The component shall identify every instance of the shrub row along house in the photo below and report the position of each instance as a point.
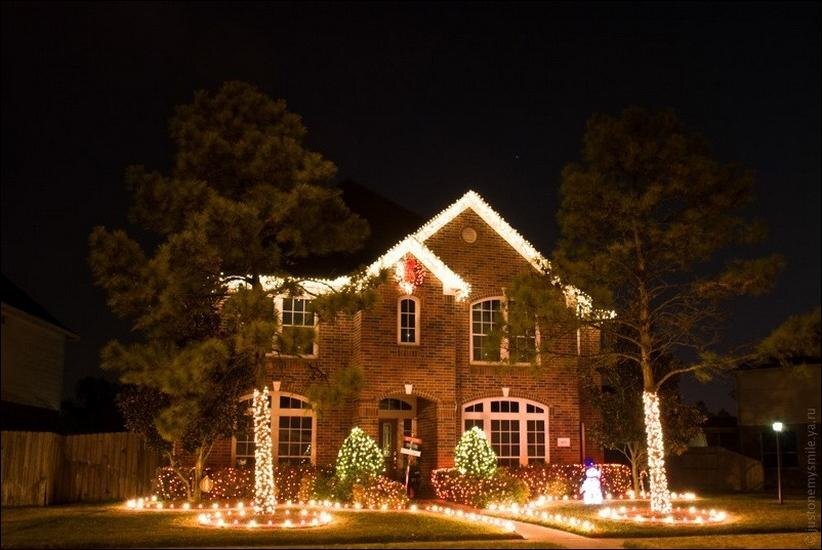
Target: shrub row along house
(427, 368)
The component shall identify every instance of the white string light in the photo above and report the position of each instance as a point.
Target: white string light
(264, 499)
(658, 479)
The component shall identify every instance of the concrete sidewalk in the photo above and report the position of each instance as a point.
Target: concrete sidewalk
(538, 533)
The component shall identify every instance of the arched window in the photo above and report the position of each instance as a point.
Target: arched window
(408, 320)
(391, 404)
(293, 434)
(517, 428)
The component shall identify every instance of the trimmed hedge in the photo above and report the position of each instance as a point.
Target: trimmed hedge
(380, 492)
(522, 484)
(559, 480)
(502, 487)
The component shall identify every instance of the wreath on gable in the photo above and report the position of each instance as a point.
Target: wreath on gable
(410, 273)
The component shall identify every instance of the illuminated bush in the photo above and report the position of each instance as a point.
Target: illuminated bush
(474, 456)
(379, 492)
(232, 483)
(559, 480)
(359, 458)
(289, 479)
(167, 485)
(529, 482)
(502, 487)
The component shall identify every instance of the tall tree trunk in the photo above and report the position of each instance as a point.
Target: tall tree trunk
(264, 488)
(657, 477)
(264, 496)
(634, 456)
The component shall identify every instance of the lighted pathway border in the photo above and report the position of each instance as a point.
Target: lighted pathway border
(532, 532)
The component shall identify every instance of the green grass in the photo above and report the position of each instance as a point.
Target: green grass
(747, 514)
(769, 540)
(112, 526)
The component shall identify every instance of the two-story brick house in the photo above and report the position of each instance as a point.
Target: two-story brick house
(426, 369)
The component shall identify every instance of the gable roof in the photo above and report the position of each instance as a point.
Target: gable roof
(573, 296)
(17, 298)
(490, 216)
(452, 282)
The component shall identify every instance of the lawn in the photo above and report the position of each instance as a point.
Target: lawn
(747, 514)
(112, 526)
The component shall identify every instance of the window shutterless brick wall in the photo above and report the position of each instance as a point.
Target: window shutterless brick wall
(439, 368)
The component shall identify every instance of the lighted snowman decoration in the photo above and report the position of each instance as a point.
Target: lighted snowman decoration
(591, 488)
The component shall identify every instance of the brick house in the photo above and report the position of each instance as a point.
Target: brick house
(425, 369)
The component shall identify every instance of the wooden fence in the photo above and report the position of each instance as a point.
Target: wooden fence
(41, 468)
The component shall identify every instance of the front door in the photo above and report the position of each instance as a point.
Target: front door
(388, 437)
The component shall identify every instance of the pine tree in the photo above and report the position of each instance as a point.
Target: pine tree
(474, 456)
(244, 198)
(647, 217)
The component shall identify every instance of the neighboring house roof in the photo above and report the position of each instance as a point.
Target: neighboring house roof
(15, 297)
(774, 363)
(388, 223)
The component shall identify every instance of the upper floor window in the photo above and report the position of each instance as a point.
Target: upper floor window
(489, 344)
(298, 323)
(486, 317)
(408, 320)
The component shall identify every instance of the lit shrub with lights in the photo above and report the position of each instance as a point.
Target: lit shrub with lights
(501, 487)
(289, 479)
(559, 480)
(359, 461)
(474, 456)
(167, 484)
(379, 493)
(232, 483)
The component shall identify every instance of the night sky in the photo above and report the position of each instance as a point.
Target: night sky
(418, 102)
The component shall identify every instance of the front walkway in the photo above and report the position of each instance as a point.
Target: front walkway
(538, 533)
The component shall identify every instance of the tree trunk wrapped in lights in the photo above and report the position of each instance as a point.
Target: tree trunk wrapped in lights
(658, 479)
(264, 499)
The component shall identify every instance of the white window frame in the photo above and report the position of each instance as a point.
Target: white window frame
(417, 311)
(503, 352)
(277, 412)
(522, 416)
(275, 424)
(278, 304)
(243, 399)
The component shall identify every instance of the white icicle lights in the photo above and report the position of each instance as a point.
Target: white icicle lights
(658, 478)
(264, 500)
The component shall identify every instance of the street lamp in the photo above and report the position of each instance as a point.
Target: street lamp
(777, 428)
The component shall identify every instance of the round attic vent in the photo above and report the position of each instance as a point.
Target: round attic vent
(469, 235)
